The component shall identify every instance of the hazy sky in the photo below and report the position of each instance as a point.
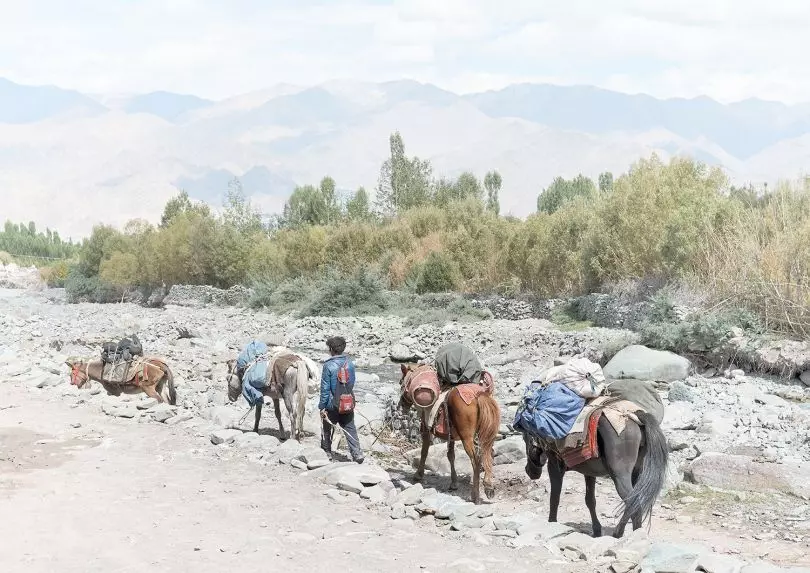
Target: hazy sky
(728, 49)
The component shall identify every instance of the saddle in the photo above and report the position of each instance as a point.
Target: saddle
(132, 372)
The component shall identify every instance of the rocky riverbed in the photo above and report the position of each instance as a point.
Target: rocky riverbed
(738, 485)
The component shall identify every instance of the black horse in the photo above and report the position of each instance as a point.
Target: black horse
(636, 461)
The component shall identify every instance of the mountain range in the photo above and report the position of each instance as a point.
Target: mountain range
(70, 160)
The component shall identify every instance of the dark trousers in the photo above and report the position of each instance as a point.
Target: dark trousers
(345, 421)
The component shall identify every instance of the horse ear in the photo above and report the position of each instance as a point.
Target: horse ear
(404, 369)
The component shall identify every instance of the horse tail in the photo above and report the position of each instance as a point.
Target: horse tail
(489, 423)
(653, 470)
(170, 382)
(302, 387)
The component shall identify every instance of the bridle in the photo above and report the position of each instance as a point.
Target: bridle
(76, 373)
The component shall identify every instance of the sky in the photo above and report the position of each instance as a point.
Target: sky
(727, 49)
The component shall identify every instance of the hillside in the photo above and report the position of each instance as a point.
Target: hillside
(60, 149)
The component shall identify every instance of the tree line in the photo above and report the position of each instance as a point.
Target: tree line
(678, 220)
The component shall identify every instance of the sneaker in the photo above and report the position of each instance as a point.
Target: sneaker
(360, 460)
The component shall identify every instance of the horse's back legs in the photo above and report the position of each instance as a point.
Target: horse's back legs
(590, 502)
(451, 457)
(259, 405)
(152, 393)
(288, 393)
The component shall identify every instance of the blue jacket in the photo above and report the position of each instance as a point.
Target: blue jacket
(329, 380)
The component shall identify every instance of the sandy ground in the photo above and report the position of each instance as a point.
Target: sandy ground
(81, 491)
(116, 496)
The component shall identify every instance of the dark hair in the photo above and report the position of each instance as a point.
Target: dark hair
(336, 344)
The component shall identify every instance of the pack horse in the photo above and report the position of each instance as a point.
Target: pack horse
(276, 372)
(454, 398)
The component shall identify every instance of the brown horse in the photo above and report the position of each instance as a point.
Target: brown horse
(480, 419)
(153, 377)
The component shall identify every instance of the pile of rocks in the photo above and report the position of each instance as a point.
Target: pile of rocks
(202, 295)
(16, 277)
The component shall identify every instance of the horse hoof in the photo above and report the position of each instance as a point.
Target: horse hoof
(490, 492)
(453, 487)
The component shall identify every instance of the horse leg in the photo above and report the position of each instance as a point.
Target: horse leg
(555, 476)
(451, 457)
(420, 471)
(624, 485)
(469, 447)
(590, 502)
(259, 405)
(152, 392)
(289, 390)
(277, 408)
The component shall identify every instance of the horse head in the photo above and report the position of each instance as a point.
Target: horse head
(536, 457)
(78, 372)
(234, 379)
(419, 386)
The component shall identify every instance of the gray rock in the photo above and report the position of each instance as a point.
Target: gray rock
(510, 450)
(680, 416)
(436, 460)
(411, 496)
(642, 363)
(466, 522)
(543, 530)
(179, 419)
(289, 450)
(224, 436)
(223, 416)
(161, 412)
(146, 404)
(350, 484)
(743, 473)
(713, 563)
(401, 353)
(805, 377)
(680, 392)
(671, 558)
(375, 494)
(313, 458)
(366, 474)
(586, 547)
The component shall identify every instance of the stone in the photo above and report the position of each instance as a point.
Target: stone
(585, 546)
(245, 439)
(510, 450)
(738, 472)
(298, 464)
(288, 451)
(466, 522)
(147, 404)
(179, 419)
(670, 558)
(437, 462)
(341, 496)
(680, 416)
(219, 437)
(680, 392)
(223, 417)
(642, 363)
(375, 494)
(313, 458)
(367, 474)
(161, 412)
(805, 377)
(350, 484)
(401, 353)
(714, 563)
(543, 530)
(411, 496)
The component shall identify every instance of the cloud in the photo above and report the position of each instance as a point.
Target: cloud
(728, 49)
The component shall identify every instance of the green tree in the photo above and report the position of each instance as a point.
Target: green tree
(181, 203)
(239, 213)
(606, 182)
(562, 191)
(404, 182)
(306, 206)
(492, 183)
(357, 208)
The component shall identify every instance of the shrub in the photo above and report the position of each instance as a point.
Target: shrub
(438, 273)
(79, 288)
(361, 293)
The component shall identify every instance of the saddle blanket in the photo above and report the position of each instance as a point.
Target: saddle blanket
(125, 372)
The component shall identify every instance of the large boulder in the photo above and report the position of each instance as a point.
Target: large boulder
(436, 460)
(733, 472)
(642, 363)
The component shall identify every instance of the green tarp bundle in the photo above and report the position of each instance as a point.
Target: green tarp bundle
(457, 364)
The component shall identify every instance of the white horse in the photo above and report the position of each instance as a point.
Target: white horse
(294, 385)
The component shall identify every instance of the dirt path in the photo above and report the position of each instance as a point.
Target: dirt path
(83, 492)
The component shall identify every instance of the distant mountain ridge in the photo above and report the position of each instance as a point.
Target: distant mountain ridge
(61, 148)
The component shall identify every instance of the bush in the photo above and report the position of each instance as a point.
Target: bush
(55, 276)
(361, 293)
(286, 296)
(438, 273)
(79, 288)
(700, 332)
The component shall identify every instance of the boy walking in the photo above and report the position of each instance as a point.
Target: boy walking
(337, 398)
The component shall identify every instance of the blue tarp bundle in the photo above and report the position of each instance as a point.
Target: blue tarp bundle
(256, 376)
(548, 412)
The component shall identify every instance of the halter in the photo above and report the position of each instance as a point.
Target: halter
(76, 371)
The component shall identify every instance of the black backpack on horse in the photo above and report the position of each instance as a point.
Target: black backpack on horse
(124, 350)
